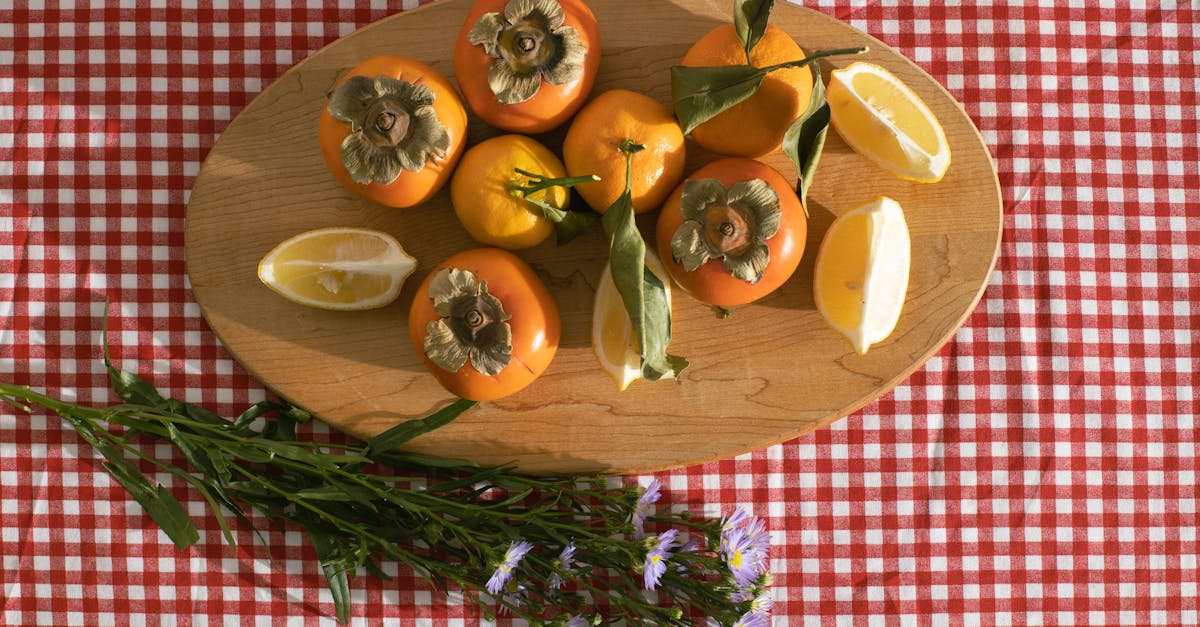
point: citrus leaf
(567, 224)
(701, 93)
(805, 138)
(643, 294)
(750, 21)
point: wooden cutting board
(771, 372)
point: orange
(755, 126)
(592, 146)
(483, 197)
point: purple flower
(504, 571)
(656, 558)
(578, 621)
(642, 509)
(750, 619)
(762, 604)
(744, 549)
(564, 561)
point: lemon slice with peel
(338, 268)
(861, 274)
(613, 339)
(885, 121)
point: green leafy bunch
(587, 555)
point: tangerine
(593, 146)
(755, 126)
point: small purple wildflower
(512, 557)
(578, 621)
(744, 549)
(564, 561)
(642, 509)
(656, 558)
(762, 603)
(750, 619)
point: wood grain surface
(771, 372)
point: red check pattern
(1040, 470)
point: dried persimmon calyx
(731, 224)
(473, 325)
(393, 127)
(529, 43)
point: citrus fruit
(337, 268)
(393, 130)
(482, 191)
(861, 274)
(885, 121)
(614, 341)
(755, 126)
(484, 324)
(735, 231)
(526, 67)
(592, 146)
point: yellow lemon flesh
(886, 122)
(338, 268)
(613, 339)
(861, 275)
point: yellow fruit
(613, 339)
(483, 197)
(861, 274)
(338, 268)
(886, 122)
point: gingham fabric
(1041, 469)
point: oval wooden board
(772, 372)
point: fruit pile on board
(730, 233)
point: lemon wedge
(613, 339)
(338, 268)
(861, 274)
(885, 121)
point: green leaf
(701, 93)
(750, 21)
(643, 294)
(406, 431)
(805, 138)
(158, 502)
(336, 571)
(567, 224)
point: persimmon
(527, 66)
(484, 324)
(732, 232)
(393, 130)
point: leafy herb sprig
(555, 551)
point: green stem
(816, 56)
(540, 182)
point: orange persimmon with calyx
(527, 66)
(484, 324)
(732, 232)
(393, 130)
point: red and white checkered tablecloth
(1041, 469)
